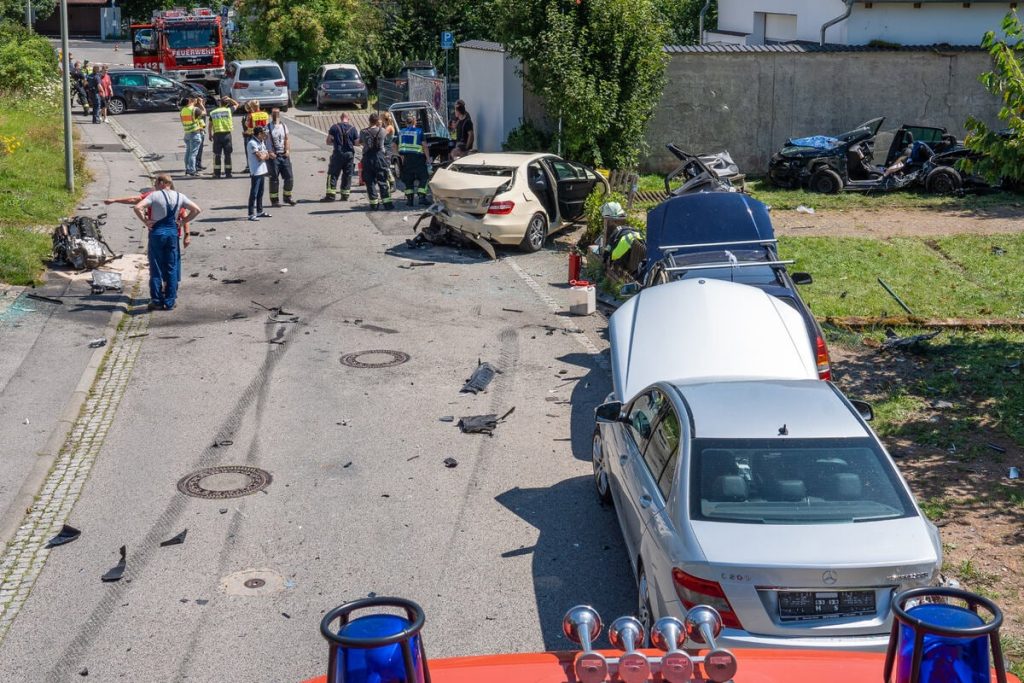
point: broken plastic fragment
(481, 424)
(447, 418)
(117, 571)
(481, 377)
(177, 540)
(65, 535)
(97, 343)
(451, 462)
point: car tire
(644, 613)
(943, 180)
(116, 105)
(602, 483)
(536, 234)
(825, 181)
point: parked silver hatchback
(256, 79)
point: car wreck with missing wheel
(868, 159)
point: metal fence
(390, 90)
(439, 92)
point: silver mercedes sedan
(770, 500)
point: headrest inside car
(789, 489)
(732, 487)
(846, 486)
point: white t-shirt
(162, 202)
(256, 166)
(278, 133)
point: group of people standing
(94, 89)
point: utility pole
(69, 158)
(28, 14)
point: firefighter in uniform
(375, 165)
(280, 162)
(412, 148)
(342, 136)
(221, 125)
(254, 118)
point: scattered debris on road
(482, 424)
(103, 281)
(232, 281)
(447, 418)
(451, 462)
(176, 540)
(97, 343)
(65, 535)
(480, 378)
(223, 443)
(47, 299)
(116, 572)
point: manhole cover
(254, 582)
(226, 481)
(375, 359)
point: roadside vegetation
(32, 193)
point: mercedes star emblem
(829, 577)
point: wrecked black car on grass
(868, 159)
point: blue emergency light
(939, 641)
(379, 647)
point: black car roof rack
(678, 247)
(730, 264)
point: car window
(642, 415)
(582, 171)
(159, 82)
(663, 448)
(794, 481)
(478, 169)
(341, 75)
(130, 80)
(260, 73)
(563, 170)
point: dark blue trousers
(164, 266)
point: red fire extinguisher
(575, 261)
(359, 173)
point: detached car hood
(693, 330)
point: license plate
(808, 605)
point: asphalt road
(361, 502)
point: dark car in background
(142, 89)
(340, 84)
(725, 236)
(419, 68)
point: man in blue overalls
(162, 219)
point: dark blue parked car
(725, 236)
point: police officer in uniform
(280, 162)
(221, 125)
(191, 123)
(412, 147)
(375, 164)
(343, 137)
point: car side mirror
(802, 278)
(609, 413)
(864, 408)
(629, 289)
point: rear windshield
(420, 71)
(260, 73)
(794, 481)
(495, 171)
(748, 275)
(341, 75)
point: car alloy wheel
(536, 233)
(115, 106)
(943, 180)
(643, 609)
(601, 482)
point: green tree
(598, 65)
(1001, 152)
(682, 19)
(310, 32)
(15, 9)
(26, 59)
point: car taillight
(821, 356)
(239, 85)
(501, 208)
(695, 591)
(280, 84)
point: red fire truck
(180, 44)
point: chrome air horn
(626, 633)
(582, 625)
(703, 624)
(669, 636)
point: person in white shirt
(280, 164)
(257, 154)
(161, 212)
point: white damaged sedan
(511, 198)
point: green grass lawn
(790, 199)
(32, 189)
(962, 276)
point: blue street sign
(447, 40)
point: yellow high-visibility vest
(189, 120)
(221, 121)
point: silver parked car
(256, 79)
(768, 499)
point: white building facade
(756, 22)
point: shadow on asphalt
(588, 392)
(579, 557)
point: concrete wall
(493, 93)
(749, 103)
